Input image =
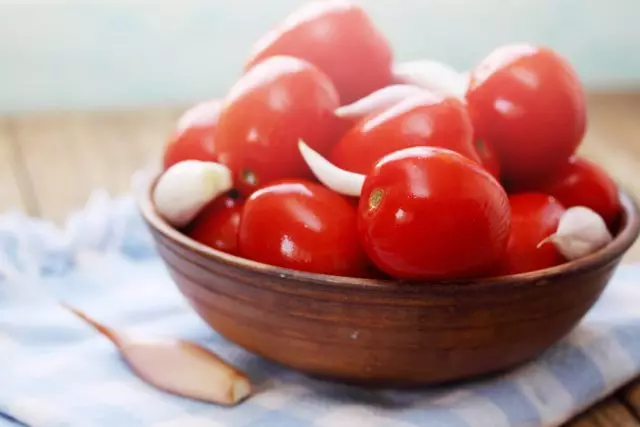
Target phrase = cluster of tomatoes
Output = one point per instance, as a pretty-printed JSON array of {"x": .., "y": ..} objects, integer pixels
[{"x": 455, "y": 187}]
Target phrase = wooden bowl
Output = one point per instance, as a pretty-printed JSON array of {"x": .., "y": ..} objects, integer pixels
[{"x": 386, "y": 332}]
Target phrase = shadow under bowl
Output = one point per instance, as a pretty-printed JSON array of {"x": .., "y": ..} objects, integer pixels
[{"x": 386, "y": 332}]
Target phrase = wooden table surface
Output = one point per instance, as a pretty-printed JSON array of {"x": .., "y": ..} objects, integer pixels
[{"x": 50, "y": 162}]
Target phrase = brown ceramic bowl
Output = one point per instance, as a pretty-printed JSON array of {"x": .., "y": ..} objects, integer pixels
[{"x": 372, "y": 331}]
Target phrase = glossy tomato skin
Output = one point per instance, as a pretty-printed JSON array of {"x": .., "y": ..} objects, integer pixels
[
  {"x": 583, "y": 183},
  {"x": 218, "y": 224},
  {"x": 304, "y": 226},
  {"x": 194, "y": 136},
  {"x": 265, "y": 114},
  {"x": 534, "y": 217},
  {"x": 429, "y": 213},
  {"x": 426, "y": 119},
  {"x": 528, "y": 103},
  {"x": 340, "y": 39}
]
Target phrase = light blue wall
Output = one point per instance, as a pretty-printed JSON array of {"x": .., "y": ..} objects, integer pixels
[{"x": 100, "y": 54}]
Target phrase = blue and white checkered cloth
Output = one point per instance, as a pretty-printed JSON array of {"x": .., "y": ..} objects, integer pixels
[{"x": 55, "y": 371}]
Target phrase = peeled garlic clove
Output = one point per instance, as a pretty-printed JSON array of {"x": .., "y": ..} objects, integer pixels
[
  {"x": 378, "y": 100},
  {"x": 339, "y": 180},
  {"x": 178, "y": 367},
  {"x": 432, "y": 75},
  {"x": 186, "y": 187},
  {"x": 581, "y": 231}
]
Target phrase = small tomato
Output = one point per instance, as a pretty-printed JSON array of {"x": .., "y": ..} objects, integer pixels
[
  {"x": 217, "y": 225},
  {"x": 339, "y": 38},
  {"x": 426, "y": 119},
  {"x": 429, "y": 213},
  {"x": 278, "y": 102},
  {"x": 583, "y": 183},
  {"x": 194, "y": 136},
  {"x": 528, "y": 104},
  {"x": 534, "y": 217},
  {"x": 303, "y": 226}
]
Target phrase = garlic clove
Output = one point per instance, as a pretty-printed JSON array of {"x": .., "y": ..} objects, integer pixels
[
  {"x": 378, "y": 100},
  {"x": 178, "y": 367},
  {"x": 581, "y": 231},
  {"x": 338, "y": 180},
  {"x": 186, "y": 369},
  {"x": 186, "y": 187},
  {"x": 432, "y": 75}
]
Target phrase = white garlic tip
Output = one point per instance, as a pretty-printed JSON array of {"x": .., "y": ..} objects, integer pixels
[
  {"x": 375, "y": 101},
  {"x": 433, "y": 75},
  {"x": 187, "y": 187},
  {"x": 581, "y": 231},
  {"x": 338, "y": 180}
]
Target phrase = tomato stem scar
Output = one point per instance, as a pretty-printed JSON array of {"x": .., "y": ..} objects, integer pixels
[
  {"x": 375, "y": 198},
  {"x": 481, "y": 146},
  {"x": 249, "y": 177}
]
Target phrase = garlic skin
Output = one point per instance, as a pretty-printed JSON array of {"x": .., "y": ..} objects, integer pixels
[
  {"x": 581, "y": 231},
  {"x": 378, "y": 100},
  {"x": 179, "y": 367},
  {"x": 186, "y": 187},
  {"x": 433, "y": 75},
  {"x": 185, "y": 369},
  {"x": 338, "y": 180}
]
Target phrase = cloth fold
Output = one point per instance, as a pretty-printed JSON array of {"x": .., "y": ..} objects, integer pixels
[{"x": 55, "y": 371}]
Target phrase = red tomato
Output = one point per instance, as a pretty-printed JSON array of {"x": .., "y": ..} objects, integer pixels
[
  {"x": 266, "y": 112},
  {"x": 583, "y": 183},
  {"x": 426, "y": 119},
  {"x": 194, "y": 136},
  {"x": 303, "y": 226},
  {"x": 217, "y": 225},
  {"x": 534, "y": 217},
  {"x": 529, "y": 105},
  {"x": 429, "y": 213},
  {"x": 340, "y": 39}
]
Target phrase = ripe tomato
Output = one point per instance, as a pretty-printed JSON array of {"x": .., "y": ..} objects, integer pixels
[
  {"x": 266, "y": 112},
  {"x": 528, "y": 103},
  {"x": 303, "y": 226},
  {"x": 534, "y": 217},
  {"x": 427, "y": 119},
  {"x": 217, "y": 225},
  {"x": 340, "y": 39},
  {"x": 583, "y": 183},
  {"x": 193, "y": 138},
  {"x": 430, "y": 213}
]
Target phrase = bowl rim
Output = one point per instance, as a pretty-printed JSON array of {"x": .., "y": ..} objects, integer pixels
[{"x": 626, "y": 236}]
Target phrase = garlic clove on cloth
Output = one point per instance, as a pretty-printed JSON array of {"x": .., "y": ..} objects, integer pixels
[{"x": 178, "y": 367}]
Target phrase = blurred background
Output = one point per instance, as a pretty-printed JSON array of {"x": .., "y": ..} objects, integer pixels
[
  {"x": 90, "y": 90},
  {"x": 84, "y": 54}
]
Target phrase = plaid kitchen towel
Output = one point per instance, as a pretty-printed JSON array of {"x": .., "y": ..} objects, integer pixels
[{"x": 55, "y": 371}]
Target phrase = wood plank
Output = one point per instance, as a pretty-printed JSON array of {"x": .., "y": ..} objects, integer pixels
[
  {"x": 10, "y": 168},
  {"x": 609, "y": 413},
  {"x": 631, "y": 396},
  {"x": 613, "y": 141},
  {"x": 69, "y": 155}
]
